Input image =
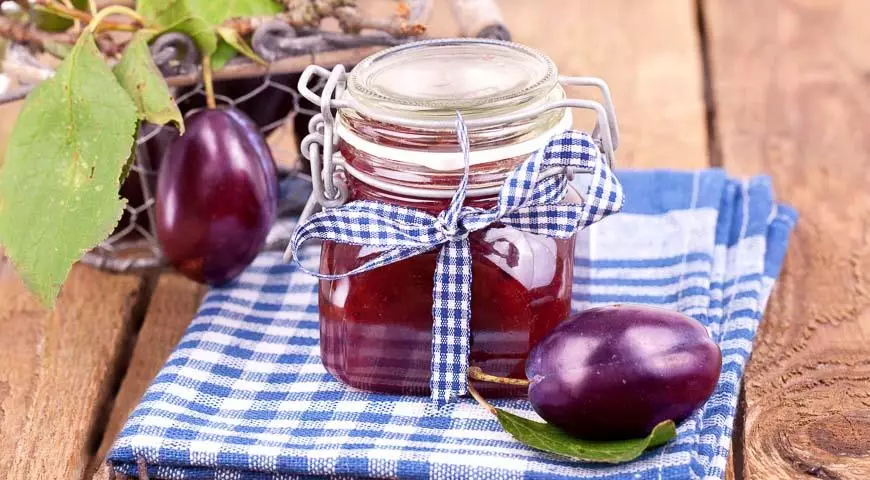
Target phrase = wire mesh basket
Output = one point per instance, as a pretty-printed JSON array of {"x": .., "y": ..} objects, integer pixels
[{"x": 266, "y": 93}]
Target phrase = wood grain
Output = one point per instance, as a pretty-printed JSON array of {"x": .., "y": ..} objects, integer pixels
[
  {"x": 647, "y": 52},
  {"x": 56, "y": 368},
  {"x": 790, "y": 84},
  {"x": 173, "y": 305}
]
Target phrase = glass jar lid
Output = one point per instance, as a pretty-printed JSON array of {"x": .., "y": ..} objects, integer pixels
[{"x": 433, "y": 79}]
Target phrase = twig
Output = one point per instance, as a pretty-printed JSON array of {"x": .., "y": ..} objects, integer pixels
[
  {"x": 482, "y": 401},
  {"x": 35, "y": 38},
  {"x": 100, "y": 17},
  {"x": 301, "y": 14},
  {"x": 307, "y": 14},
  {"x": 476, "y": 373},
  {"x": 52, "y": 6},
  {"x": 77, "y": 24},
  {"x": 141, "y": 468},
  {"x": 106, "y": 3},
  {"x": 63, "y": 10},
  {"x": 352, "y": 21},
  {"x": 290, "y": 64}
]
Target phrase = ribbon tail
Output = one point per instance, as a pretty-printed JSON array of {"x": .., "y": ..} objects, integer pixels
[{"x": 451, "y": 318}]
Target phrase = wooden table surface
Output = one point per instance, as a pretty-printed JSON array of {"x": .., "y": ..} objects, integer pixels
[{"x": 754, "y": 86}]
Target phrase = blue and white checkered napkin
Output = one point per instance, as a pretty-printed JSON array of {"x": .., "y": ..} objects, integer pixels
[{"x": 244, "y": 395}]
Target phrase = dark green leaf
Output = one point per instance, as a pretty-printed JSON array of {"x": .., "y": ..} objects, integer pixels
[
  {"x": 235, "y": 40},
  {"x": 177, "y": 16},
  {"x": 224, "y": 53},
  {"x": 199, "y": 30},
  {"x": 59, "y": 183},
  {"x": 138, "y": 75},
  {"x": 217, "y": 11},
  {"x": 50, "y": 22},
  {"x": 548, "y": 438}
]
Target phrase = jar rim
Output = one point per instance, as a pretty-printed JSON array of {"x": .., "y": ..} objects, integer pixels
[{"x": 433, "y": 79}]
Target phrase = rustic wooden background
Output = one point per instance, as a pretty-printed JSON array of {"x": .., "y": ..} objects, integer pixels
[{"x": 775, "y": 86}]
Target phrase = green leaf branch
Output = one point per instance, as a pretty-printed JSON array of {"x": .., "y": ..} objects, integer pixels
[
  {"x": 219, "y": 27},
  {"x": 547, "y": 438},
  {"x": 71, "y": 146},
  {"x": 69, "y": 151}
]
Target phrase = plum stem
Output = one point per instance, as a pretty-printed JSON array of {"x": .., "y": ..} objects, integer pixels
[
  {"x": 77, "y": 24},
  {"x": 476, "y": 373},
  {"x": 207, "y": 80},
  {"x": 115, "y": 10},
  {"x": 61, "y": 9},
  {"x": 482, "y": 401}
]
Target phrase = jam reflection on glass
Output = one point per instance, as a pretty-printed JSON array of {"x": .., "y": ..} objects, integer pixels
[{"x": 376, "y": 327}]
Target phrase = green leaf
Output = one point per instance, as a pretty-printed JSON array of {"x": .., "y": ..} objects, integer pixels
[
  {"x": 224, "y": 53},
  {"x": 138, "y": 75},
  {"x": 49, "y": 22},
  {"x": 177, "y": 16},
  {"x": 548, "y": 438},
  {"x": 199, "y": 18},
  {"x": 218, "y": 11},
  {"x": 235, "y": 40},
  {"x": 131, "y": 158},
  {"x": 199, "y": 30},
  {"x": 59, "y": 184}
]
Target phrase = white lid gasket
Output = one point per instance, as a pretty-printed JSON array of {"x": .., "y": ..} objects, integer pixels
[{"x": 447, "y": 161}]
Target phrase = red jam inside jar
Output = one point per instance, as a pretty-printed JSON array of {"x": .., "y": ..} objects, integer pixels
[{"x": 376, "y": 327}]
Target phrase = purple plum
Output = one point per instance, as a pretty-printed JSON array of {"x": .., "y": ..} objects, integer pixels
[
  {"x": 217, "y": 193},
  {"x": 615, "y": 372}
]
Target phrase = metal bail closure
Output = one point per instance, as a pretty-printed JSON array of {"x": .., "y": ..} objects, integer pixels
[{"x": 328, "y": 168}]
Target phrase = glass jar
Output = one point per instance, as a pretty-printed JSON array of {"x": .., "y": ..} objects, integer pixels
[{"x": 376, "y": 327}]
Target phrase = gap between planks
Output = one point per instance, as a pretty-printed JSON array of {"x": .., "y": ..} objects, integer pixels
[
  {"x": 122, "y": 360},
  {"x": 173, "y": 305},
  {"x": 714, "y": 153},
  {"x": 734, "y": 467}
]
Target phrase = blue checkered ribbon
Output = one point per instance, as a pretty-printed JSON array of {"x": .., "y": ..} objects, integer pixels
[{"x": 528, "y": 201}]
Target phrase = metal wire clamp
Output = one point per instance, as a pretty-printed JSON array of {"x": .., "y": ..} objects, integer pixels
[{"x": 319, "y": 146}]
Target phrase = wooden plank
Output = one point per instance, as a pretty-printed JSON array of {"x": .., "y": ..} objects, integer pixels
[
  {"x": 647, "y": 52},
  {"x": 56, "y": 369},
  {"x": 173, "y": 304},
  {"x": 790, "y": 88}
]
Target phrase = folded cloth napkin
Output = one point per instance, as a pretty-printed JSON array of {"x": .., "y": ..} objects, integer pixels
[{"x": 244, "y": 395}]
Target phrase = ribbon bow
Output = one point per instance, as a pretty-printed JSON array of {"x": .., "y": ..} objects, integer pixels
[{"x": 527, "y": 201}]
